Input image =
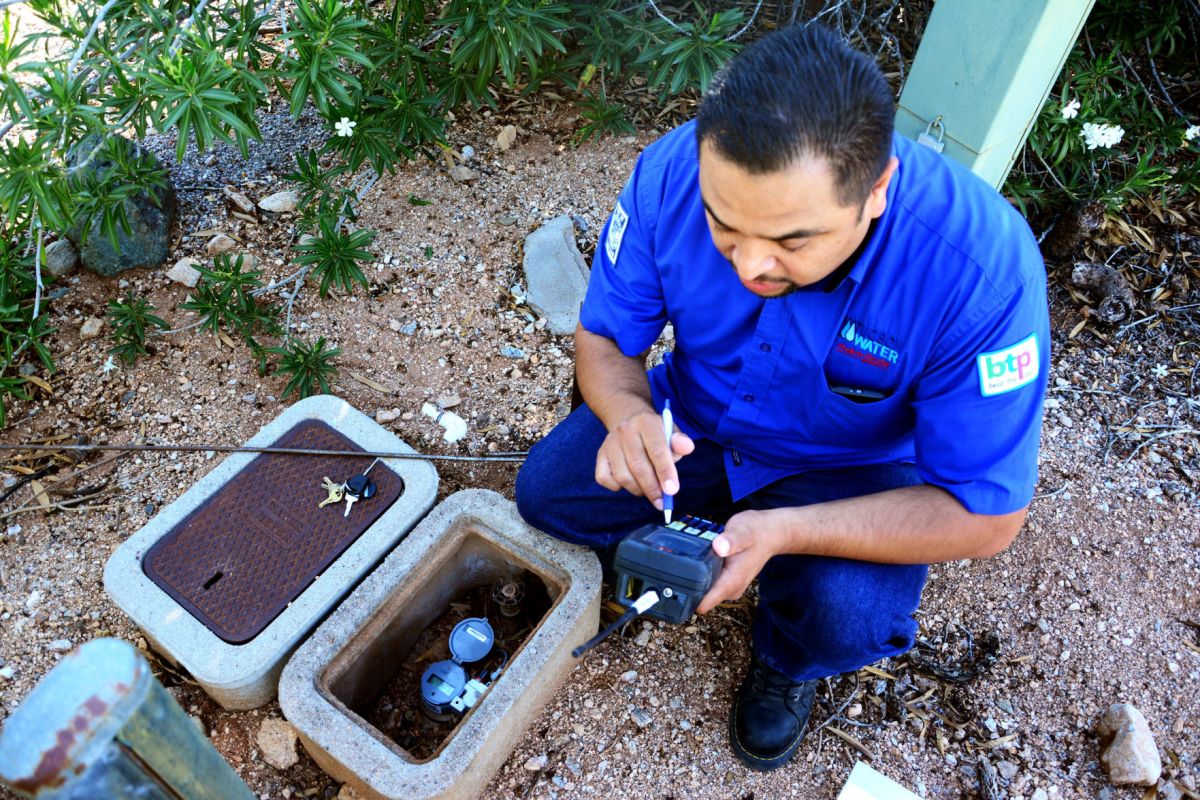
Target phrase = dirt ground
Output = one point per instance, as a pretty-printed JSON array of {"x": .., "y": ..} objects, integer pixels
[{"x": 1090, "y": 606}]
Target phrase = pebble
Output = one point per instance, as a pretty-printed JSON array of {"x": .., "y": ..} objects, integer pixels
[
  {"x": 1131, "y": 756},
  {"x": 641, "y": 718},
  {"x": 59, "y": 645},
  {"x": 1007, "y": 769},
  {"x": 684, "y": 725},
  {"x": 642, "y": 639},
  {"x": 1039, "y": 794},
  {"x": 506, "y": 137},
  {"x": 384, "y": 416},
  {"x": 468, "y": 152},
  {"x": 185, "y": 272},
  {"x": 250, "y": 398},
  {"x": 630, "y": 676},
  {"x": 279, "y": 203},
  {"x": 508, "y": 351},
  {"x": 449, "y": 401},
  {"x": 13, "y": 530},
  {"x": 277, "y": 741},
  {"x": 238, "y": 200},
  {"x": 409, "y": 329},
  {"x": 508, "y": 219},
  {"x": 537, "y": 763},
  {"x": 61, "y": 258},
  {"x": 34, "y": 598},
  {"x": 91, "y": 328},
  {"x": 7, "y": 672},
  {"x": 219, "y": 244}
]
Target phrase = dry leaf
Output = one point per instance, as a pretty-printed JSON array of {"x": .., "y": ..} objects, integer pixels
[
  {"x": 229, "y": 342},
  {"x": 368, "y": 382},
  {"x": 1077, "y": 329},
  {"x": 39, "y": 494}
]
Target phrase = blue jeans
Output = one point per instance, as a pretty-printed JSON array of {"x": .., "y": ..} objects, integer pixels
[{"x": 816, "y": 616}]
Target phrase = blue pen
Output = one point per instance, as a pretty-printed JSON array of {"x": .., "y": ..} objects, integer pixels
[{"x": 668, "y": 501}]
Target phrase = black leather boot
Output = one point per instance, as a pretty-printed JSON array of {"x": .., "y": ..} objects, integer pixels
[{"x": 769, "y": 716}]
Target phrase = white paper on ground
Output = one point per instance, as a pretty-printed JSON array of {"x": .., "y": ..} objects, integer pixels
[{"x": 867, "y": 784}]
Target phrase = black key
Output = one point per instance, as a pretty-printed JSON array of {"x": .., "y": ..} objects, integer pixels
[{"x": 360, "y": 486}]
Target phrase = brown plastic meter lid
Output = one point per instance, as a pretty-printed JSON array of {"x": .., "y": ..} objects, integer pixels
[{"x": 238, "y": 560}]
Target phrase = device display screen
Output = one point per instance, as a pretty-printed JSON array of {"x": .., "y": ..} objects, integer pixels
[
  {"x": 441, "y": 685},
  {"x": 671, "y": 542}
]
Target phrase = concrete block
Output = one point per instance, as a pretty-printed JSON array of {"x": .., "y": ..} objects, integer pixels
[
  {"x": 245, "y": 676},
  {"x": 470, "y": 539}
]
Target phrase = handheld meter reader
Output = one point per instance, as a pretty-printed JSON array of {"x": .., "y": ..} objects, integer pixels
[{"x": 663, "y": 571}]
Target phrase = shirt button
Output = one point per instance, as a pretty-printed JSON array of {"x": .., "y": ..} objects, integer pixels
[
  {"x": 765, "y": 347},
  {"x": 749, "y": 398}
]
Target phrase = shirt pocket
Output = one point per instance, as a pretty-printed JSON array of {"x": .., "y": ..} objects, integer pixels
[{"x": 845, "y": 424}]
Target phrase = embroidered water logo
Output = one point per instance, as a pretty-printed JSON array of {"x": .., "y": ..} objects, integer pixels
[
  {"x": 865, "y": 346},
  {"x": 1002, "y": 371}
]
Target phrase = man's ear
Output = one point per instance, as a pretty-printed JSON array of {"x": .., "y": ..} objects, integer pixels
[{"x": 877, "y": 200}]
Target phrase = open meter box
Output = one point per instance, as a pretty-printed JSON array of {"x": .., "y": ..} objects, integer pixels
[{"x": 675, "y": 560}]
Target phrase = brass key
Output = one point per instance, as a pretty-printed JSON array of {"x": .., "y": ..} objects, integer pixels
[{"x": 336, "y": 490}]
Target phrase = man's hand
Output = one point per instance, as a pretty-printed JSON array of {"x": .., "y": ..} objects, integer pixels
[
  {"x": 634, "y": 457},
  {"x": 749, "y": 541}
]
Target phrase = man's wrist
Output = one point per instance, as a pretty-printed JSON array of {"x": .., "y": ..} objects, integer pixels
[{"x": 792, "y": 529}]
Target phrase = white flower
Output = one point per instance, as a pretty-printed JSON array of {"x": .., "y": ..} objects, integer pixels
[
  {"x": 1159, "y": 371},
  {"x": 1192, "y": 132},
  {"x": 1071, "y": 109},
  {"x": 344, "y": 126},
  {"x": 1100, "y": 135},
  {"x": 109, "y": 365}
]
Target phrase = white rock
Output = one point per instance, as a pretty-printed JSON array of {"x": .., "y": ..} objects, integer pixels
[
  {"x": 279, "y": 203},
  {"x": 59, "y": 645},
  {"x": 348, "y": 792},
  {"x": 508, "y": 135},
  {"x": 537, "y": 763},
  {"x": 219, "y": 244},
  {"x": 7, "y": 673},
  {"x": 185, "y": 272},
  {"x": 91, "y": 328},
  {"x": 383, "y": 416},
  {"x": 277, "y": 741},
  {"x": 1131, "y": 756},
  {"x": 462, "y": 173}
]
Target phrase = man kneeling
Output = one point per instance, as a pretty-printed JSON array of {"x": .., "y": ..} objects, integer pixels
[{"x": 861, "y": 340}]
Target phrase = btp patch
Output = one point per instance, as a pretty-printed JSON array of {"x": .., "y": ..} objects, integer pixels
[{"x": 1004, "y": 370}]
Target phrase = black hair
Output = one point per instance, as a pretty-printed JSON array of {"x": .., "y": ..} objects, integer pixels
[{"x": 802, "y": 92}]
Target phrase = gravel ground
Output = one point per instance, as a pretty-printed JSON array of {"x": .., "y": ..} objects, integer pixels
[{"x": 1089, "y": 606}]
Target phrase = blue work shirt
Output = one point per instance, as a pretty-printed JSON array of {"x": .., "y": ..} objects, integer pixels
[{"x": 943, "y": 314}]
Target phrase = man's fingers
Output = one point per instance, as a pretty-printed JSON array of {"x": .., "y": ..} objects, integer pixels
[
  {"x": 665, "y": 476},
  {"x": 639, "y": 465},
  {"x": 604, "y": 473},
  {"x": 729, "y": 586},
  {"x": 681, "y": 445},
  {"x": 730, "y": 543}
]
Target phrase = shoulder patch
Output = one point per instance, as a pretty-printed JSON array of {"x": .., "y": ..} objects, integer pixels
[
  {"x": 1004, "y": 370},
  {"x": 616, "y": 232}
]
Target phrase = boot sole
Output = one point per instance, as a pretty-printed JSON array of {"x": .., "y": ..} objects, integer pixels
[{"x": 758, "y": 762}]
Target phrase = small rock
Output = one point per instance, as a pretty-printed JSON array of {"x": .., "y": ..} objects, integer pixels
[
  {"x": 348, "y": 792},
  {"x": 468, "y": 152},
  {"x": 630, "y": 676},
  {"x": 1131, "y": 756},
  {"x": 383, "y": 416},
  {"x": 34, "y": 598},
  {"x": 1007, "y": 769},
  {"x": 219, "y": 244},
  {"x": 250, "y": 398},
  {"x": 507, "y": 219},
  {"x": 508, "y": 351},
  {"x": 279, "y": 203},
  {"x": 641, "y": 718},
  {"x": 277, "y": 741},
  {"x": 643, "y": 638},
  {"x": 61, "y": 258},
  {"x": 7, "y": 672},
  {"x": 508, "y": 135},
  {"x": 449, "y": 400},
  {"x": 1170, "y": 791},
  {"x": 537, "y": 763},
  {"x": 91, "y": 328},
  {"x": 238, "y": 201},
  {"x": 185, "y": 272},
  {"x": 249, "y": 261},
  {"x": 408, "y": 329},
  {"x": 59, "y": 645},
  {"x": 1039, "y": 794},
  {"x": 462, "y": 173}
]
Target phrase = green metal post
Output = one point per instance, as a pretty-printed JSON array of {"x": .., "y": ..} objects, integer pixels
[
  {"x": 982, "y": 72},
  {"x": 100, "y": 726}
]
